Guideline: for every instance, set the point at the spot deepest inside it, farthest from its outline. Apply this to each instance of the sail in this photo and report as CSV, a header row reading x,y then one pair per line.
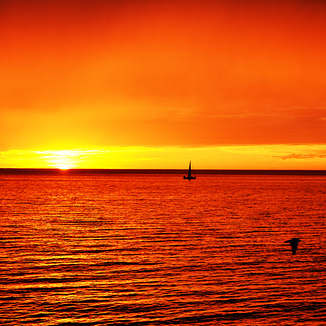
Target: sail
x,y
189,171
189,176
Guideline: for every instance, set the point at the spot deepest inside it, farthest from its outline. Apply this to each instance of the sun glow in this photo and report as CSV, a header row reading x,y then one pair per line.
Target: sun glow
x,y
220,157
62,160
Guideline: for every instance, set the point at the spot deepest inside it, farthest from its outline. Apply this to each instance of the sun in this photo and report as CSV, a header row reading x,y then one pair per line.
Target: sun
x,y
62,163
64,167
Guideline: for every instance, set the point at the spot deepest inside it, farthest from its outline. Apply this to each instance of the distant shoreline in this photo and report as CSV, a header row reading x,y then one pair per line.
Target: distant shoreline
x,y
46,171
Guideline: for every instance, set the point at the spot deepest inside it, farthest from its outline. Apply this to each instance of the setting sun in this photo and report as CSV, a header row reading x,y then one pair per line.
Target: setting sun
x,y
63,167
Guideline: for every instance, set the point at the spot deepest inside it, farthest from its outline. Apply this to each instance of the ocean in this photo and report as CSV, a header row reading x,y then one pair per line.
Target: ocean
x,y
113,248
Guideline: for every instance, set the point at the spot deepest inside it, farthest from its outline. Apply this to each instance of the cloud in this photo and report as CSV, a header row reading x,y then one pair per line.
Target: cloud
x,y
295,156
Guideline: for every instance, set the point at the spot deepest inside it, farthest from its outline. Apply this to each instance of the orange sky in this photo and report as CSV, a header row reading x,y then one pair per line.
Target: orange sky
x,y
229,84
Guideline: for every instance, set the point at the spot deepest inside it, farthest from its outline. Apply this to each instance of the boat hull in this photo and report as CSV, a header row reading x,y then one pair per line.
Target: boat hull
x,y
188,178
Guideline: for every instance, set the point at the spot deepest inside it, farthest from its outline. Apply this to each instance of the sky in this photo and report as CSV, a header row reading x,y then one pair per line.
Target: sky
x,y
152,84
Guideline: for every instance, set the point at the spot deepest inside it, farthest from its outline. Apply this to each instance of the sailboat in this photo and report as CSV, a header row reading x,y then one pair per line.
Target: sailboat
x,y
189,176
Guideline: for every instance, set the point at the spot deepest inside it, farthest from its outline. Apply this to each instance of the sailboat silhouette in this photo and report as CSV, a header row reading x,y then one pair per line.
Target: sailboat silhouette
x,y
189,176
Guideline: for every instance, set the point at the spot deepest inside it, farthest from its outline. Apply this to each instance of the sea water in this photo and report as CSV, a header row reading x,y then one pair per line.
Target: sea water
x,y
154,249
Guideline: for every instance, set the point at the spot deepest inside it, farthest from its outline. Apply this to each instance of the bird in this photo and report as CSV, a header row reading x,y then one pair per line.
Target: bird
x,y
294,244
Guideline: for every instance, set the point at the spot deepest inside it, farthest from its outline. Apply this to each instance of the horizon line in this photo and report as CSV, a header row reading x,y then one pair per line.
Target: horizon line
x,y
167,171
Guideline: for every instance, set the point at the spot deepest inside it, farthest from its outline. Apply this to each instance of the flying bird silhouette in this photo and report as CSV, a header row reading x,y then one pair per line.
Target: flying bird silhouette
x,y
294,244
